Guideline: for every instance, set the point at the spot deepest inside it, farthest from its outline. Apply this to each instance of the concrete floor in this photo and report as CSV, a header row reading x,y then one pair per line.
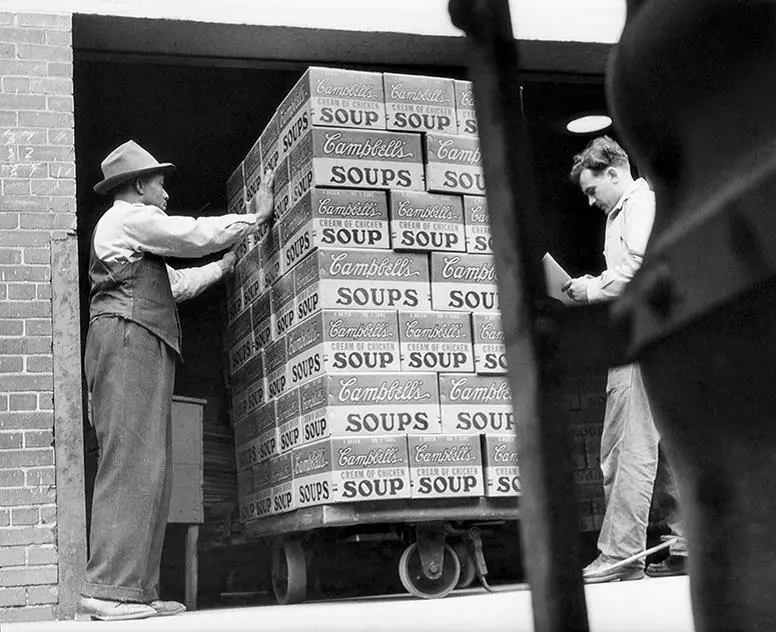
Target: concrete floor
x,y
649,605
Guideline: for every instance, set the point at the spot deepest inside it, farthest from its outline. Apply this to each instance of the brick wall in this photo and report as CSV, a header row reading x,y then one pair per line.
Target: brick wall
x,y
37,203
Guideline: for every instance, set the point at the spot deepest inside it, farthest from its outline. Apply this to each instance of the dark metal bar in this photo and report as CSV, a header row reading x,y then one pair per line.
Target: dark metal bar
x,y
549,525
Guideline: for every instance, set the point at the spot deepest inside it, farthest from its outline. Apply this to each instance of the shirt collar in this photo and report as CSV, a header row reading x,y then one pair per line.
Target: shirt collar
x,y
638,185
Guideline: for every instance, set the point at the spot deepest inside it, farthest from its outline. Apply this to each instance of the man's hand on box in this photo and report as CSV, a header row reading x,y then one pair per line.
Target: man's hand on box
x,y
227,262
262,202
576,288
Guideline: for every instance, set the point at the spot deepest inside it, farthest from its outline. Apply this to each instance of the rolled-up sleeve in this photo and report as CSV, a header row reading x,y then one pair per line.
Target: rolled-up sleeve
x,y
187,283
149,229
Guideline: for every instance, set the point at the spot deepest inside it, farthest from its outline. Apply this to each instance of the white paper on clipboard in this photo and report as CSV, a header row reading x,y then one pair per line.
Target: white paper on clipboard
x,y
555,276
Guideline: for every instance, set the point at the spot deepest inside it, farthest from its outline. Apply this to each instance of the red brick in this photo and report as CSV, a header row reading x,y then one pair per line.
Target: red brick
x,y
60,103
8,119
42,594
28,614
28,345
3,403
38,327
48,514
21,516
38,439
16,187
15,84
44,20
25,273
22,101
22,136
11,478
7,50
52,187
51,85
23,401
61,137
46,153
6,17
56,69
46,119
5,520
43,291
16,383
28,458
9,221
3,291
11,364
23,237
35,476
45,401
23,421
24,36
47,221
20,68
35,52
16,496
20,291
36,256
59,38
22,204
12,597
10,255
64,204
28,576
41,555
24,170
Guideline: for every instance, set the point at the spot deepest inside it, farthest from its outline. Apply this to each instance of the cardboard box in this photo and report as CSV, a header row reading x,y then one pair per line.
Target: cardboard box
x,y
333,341
249,275
275,368
281,190
351,469
453,164
249,390
269,256
502,472
464,109
473,404
345,218
360,279
436,341
331,97
269,142
246,433
238,328
463,282
282,305
235,191
287,414
360,159
426,221
445,466
479,239
255,502
241,353
261,320
282,483
368,404
252,170
419,104
490,354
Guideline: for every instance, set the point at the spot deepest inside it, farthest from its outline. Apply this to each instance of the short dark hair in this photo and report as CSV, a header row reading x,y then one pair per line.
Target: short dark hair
x,y
601,153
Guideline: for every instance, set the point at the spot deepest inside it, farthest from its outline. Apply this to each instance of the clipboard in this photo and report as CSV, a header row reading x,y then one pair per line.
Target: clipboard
x,y
555,276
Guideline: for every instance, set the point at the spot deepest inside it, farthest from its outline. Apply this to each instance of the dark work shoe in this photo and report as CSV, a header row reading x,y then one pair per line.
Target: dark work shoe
x,y
669,567
599,571
167,608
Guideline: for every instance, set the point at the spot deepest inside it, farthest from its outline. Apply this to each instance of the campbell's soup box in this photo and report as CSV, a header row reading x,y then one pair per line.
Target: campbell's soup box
x,y
282,305
502,474
249,274
445,465
331,97
368,404
304,351
464,109
479,239
275,368
463,282
426,221
261,319
245,494
351,469
340,218
281,190
359,159
238,328
436,341
249,390
362,279
252,170
453,164
242,350
282,481
268,432
414,103
235,191
269,141
287,415
474,404
490,354
260,500
246,439
270,257
234,301
248,373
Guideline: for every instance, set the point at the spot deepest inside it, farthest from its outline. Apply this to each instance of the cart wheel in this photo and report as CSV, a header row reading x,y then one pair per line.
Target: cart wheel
x,y
468,565
416,583
289,572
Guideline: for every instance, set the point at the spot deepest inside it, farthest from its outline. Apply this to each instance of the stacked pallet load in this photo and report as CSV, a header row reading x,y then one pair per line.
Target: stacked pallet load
x,y
365,352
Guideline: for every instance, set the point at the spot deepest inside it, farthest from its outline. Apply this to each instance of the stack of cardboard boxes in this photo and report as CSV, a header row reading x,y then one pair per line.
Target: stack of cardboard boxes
x,y
366,357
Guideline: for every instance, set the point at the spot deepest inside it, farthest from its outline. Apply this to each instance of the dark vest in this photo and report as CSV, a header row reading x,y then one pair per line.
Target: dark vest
x,y
138,291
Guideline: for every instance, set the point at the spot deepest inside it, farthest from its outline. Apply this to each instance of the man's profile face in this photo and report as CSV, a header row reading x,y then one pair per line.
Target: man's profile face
x,y
602,189
153,191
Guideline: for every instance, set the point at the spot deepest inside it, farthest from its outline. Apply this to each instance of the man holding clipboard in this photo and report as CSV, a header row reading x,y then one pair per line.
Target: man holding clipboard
x,y
629,444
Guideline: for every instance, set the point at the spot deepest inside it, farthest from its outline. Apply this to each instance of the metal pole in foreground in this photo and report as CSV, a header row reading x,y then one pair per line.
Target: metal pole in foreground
x,y
549,526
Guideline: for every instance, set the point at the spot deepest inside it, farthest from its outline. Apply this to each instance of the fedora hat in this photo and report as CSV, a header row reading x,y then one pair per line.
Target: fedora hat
x,y
128,161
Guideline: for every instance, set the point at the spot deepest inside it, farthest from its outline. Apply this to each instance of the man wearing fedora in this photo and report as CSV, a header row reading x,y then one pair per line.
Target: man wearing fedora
x,y
132,345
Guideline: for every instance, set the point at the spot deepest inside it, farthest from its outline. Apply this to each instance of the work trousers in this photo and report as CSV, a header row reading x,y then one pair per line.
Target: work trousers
x,y
129,374
629,458
666,500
